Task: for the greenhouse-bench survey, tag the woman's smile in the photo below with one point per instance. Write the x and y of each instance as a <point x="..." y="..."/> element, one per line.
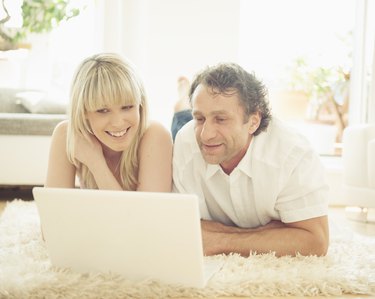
<point x="117" y="133"/>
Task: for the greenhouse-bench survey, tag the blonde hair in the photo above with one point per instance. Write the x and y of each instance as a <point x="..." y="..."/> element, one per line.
<point x="103" y="80"/>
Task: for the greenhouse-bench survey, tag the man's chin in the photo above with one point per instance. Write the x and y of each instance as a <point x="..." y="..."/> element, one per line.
<point x="211" y="159"/>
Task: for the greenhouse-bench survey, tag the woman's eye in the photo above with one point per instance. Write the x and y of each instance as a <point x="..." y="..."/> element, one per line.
<point x="103" y="110"/>
<point x="128" y="107"/>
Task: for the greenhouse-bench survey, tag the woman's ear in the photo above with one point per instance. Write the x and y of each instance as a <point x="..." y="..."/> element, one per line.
<point x="254" y="122"/>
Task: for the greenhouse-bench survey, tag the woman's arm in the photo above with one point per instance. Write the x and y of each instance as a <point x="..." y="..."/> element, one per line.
<point x="60" y="172"/>
<point x="90" y="153"/>
<point x="155" y="160"/>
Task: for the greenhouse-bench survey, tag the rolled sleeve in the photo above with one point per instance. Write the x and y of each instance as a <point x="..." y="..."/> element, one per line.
<point x="304" y="195"/>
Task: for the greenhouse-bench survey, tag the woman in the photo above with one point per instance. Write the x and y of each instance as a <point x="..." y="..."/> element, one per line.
<point x="107" y="142"/>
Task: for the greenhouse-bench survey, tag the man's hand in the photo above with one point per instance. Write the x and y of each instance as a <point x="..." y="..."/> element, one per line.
<point x="211" y="231"/>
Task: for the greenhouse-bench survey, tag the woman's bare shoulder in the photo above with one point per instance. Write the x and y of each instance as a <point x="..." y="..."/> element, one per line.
<point x="156" y="129"/>
<point x="60" y="130"/>
<point x="157" y="134"/>
<point x="61" y="126"/>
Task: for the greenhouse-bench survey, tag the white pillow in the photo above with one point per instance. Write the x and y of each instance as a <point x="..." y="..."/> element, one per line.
<point x="42" y="103"/>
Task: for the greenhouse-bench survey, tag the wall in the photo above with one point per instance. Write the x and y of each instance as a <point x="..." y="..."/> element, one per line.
<point x="169" y="38"/>
<point x="334" y="177"/>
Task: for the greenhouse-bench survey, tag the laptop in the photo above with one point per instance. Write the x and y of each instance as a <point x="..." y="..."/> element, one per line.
<point x="140" y="235"/>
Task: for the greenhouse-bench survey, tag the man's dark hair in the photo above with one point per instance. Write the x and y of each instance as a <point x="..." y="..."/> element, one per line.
<point x="230" y="79"/>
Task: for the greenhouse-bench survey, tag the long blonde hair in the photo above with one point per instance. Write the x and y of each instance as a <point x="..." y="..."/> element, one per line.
<point x="103" y="80"/>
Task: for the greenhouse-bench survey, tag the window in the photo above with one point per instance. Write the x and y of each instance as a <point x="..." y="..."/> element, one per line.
<point x="49" y="59"/>
<point x="302" y="50"/>
<point x="280" y="41"/>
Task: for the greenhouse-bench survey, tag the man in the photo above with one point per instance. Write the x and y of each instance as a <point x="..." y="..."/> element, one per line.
<point x="260" y="184"/>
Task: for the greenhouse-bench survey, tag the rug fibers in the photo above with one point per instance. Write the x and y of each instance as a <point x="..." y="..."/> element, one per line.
<point x="26" y="272"/>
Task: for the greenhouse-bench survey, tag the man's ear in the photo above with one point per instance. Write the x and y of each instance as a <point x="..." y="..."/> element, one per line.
<point x="254" y="122"/>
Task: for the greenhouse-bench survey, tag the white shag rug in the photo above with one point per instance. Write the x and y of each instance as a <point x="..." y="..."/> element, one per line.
<point x="25" y="270"/>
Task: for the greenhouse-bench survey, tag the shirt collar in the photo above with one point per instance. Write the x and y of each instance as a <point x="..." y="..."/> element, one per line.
<point x="212" y="169"/>
<point x="244" y="165"/>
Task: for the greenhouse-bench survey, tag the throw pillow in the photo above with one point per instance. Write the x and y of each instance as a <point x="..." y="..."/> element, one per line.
<point x="42" y="103"/>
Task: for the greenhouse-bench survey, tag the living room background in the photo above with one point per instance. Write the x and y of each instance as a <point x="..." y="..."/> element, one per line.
<point x="166" y="39"/>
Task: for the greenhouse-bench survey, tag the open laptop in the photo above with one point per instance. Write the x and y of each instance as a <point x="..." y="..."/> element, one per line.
<point x="141" y="235"/>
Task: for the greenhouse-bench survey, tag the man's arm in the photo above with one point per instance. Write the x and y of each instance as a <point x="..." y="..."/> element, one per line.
<point x="307" y="237"/>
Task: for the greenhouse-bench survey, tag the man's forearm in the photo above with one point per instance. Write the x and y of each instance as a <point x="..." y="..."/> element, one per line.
<point x="283" y="239"/>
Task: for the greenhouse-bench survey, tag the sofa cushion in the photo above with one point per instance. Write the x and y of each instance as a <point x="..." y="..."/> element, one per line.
<point x="15" y="116"/>
<point x="29" y="124"/>
<point x="9" y="103"/>
<point x="42" y="103"/>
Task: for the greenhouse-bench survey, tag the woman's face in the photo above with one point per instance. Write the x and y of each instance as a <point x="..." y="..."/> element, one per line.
<point x="115" y="126"/>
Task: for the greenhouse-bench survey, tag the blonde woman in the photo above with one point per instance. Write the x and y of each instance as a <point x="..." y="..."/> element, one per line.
<point x="107" y="141"/>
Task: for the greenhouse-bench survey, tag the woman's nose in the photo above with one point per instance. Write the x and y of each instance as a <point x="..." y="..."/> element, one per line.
<point x="117" y="119"/>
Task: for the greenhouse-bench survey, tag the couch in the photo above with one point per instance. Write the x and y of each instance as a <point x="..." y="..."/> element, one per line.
<point x="359" y="167"/>
<point x="27" y="120"/>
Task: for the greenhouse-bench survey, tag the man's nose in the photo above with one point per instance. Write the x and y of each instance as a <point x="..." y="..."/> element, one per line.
<point x="208" y="131"/>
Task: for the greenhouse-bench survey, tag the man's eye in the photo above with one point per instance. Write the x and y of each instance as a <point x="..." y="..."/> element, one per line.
<point x="128" y="107"/>
<point x="199" y="119"/>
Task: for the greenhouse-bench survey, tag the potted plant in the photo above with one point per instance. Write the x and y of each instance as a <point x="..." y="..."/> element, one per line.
<point x="39" y="16"/>
<point x="327" y="88"/>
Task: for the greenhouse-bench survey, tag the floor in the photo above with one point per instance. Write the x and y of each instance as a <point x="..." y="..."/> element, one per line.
<point x="340" y="215"/>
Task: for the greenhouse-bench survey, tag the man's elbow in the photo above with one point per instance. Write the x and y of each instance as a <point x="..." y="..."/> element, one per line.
<point x="317" y="238"/>
<point x="322" y="241"/>
<point x="321" y="248"/>
<point x="318" y="246"/>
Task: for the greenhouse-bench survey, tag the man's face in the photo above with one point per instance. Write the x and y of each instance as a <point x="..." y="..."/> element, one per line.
<point x="222" y="133"/>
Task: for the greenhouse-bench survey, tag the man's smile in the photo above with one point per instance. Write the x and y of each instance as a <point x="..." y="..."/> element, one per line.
<point x="211" y="147"/>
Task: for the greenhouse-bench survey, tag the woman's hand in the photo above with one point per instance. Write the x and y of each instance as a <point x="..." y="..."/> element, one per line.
<point x="88" y="151"/>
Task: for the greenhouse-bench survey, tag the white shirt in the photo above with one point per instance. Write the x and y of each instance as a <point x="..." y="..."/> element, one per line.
<point x="279" y="178"/>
